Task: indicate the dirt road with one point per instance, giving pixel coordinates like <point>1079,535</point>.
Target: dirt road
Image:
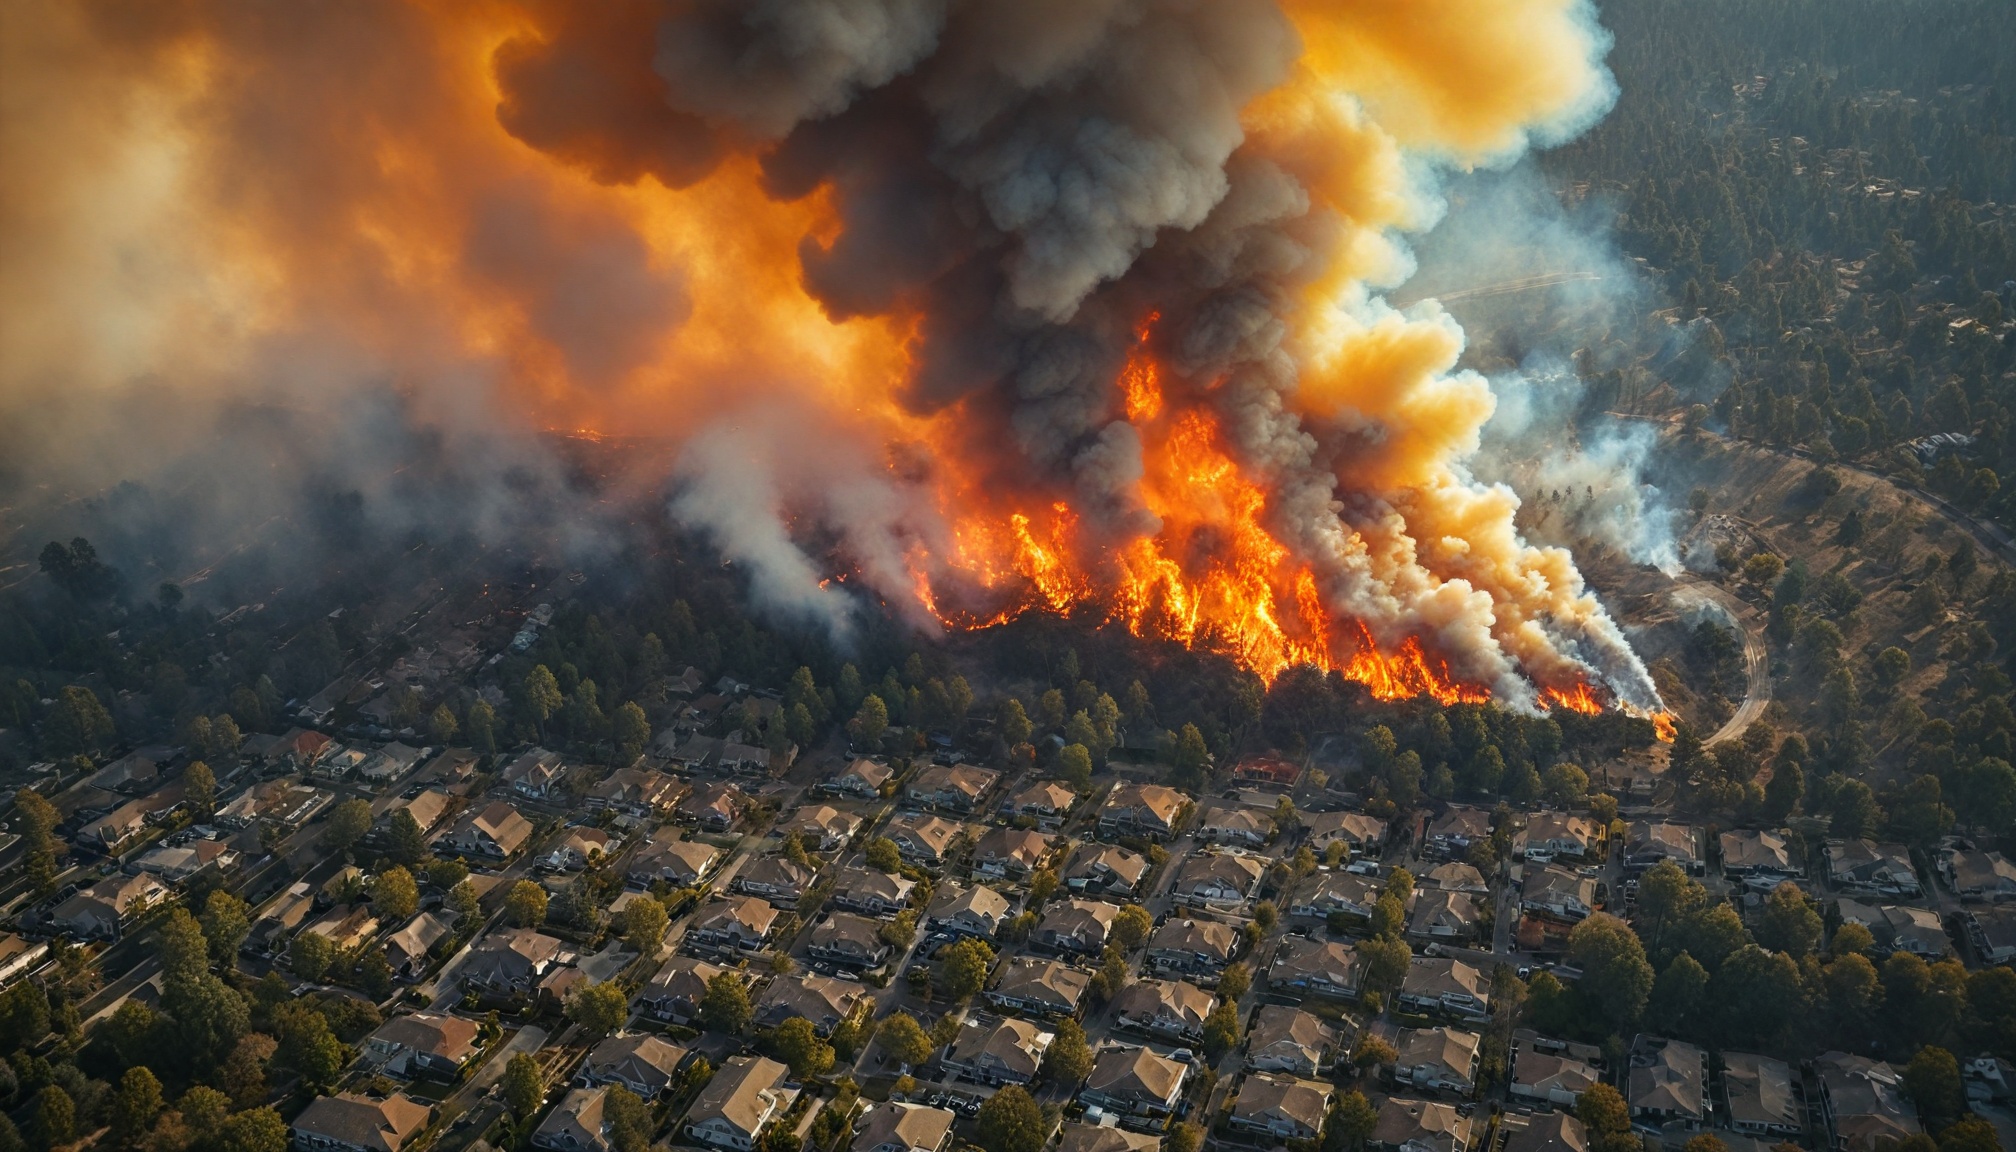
<point>1756,658</point>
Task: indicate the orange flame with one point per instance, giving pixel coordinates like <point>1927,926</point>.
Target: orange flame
<point>1662,727</point>
<point>1579,698</point>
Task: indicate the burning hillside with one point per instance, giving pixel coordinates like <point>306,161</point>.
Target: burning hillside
<point>976,308</point>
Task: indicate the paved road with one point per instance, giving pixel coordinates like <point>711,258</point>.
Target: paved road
<point>1756,659</point>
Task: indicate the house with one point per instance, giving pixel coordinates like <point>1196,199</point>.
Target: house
<point>1450,916</point>
<point>742,1097</point>
<point>748,759</point>
<point>1136,1083</point>
<point>1978,876</point>
<point>693,753</point>
<point>893,1126</point>
<point>298,749</point>
<point>1550,1078</point>
<point>1668,1083</point>
<point>1440,1059</point>
<point>955,787</point>
<point>1761,1101</point>
<point>494,832</point>
<point>1451,835</point>
<point>1420,1126</point>
<point>346,927</point>
<point>1864,866</point>
<point>1337,892</point>
<point>1443,985</point>
<point>920,839</point>
<point>737,925</point>
<point>646,1065</point>
<point>680,863</point>
<point>1549,835</point>
<point>636,791</point>
<point>389,762</point>
<point>576,1124</point>
<point>102,910</point>
<point>348,1123</point>
<point>1246,827</point>
<point>1042,801</point>
<point>1323,968</point>
<point>714,807</point>
<point>1863,1103</point>
<point>1993,934</point>
<point>426,807</point>
<point>848,940</point>
<point>134,773</point>
<point>1075,927</point>
<point>513,960</point>
<point>1554,1132</point>
<point>1198,949</point>
<point>977,911</point>
<point>178,863</point>
<point>862,779</point>
<point>673,996</point>
<point>1355,830</point>
<point>124,824</point>
<point>822,827</point>
<point>581,847</point>
<point>1285,1039</point>
<point>872,893</point>
<point>1281,1106</point>
<point>1104,870</point>
<point>996,1051</point>
<point>18,957</point>
<point>1648,842</point>
<point>1557,892</point>
<point>276,926</point>
<point>1456,876</point>
<point>1766,856</point>
<point>1005,853</point>
<point>288,803</point>
<point>1091,1138</point>
<point>1268,771</point>
<point>1218,881</point>
<point>775,878</point>
<point>407,949</point>
<point>1172,1010</point>
<point>1899,928</point>
<point>431,1044</point>
<point>1151,811</point>
<point>1039,987</point>
<point>826,1002</point>
<point>535,774</point>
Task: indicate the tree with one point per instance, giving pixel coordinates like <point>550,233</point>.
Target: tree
<point>1010,1121</point>
<point>1566,784</point>
<point>598,1009</point>
<point>1608,1119</point>
<point>1852,939</point>
<point>442,726</point>
<point>407,844</point>
<point>480,724</point>
<point>463,901</point>
<point>525,906</point>
<point>1615,975</point>
<point>1787,923</point>
<point>243,1077</point>
<point>1666,895</point>
<point>1191,756</point>
<point>1074,761</point>
<point>1068,1060</point>
<point>1676,995</point>
<point>254,1130</point>
<point>797,1044</point>
<point>1131,926</point>
<point>524,1089</point>
<point>1013,723</point>
<point>1183,1136</point>
<point>79,723</point>
<point>1757,994</point>
<point>1386,960</point>
<point>902,1037</point>
<point>870,722</point>
<point>1266,915</point>
<point>1234,982</point>
<point>725,1006</point>
<point>1783,790</point>
<point>309,1047</point>
<point>347,824</point>
<point>1705,1142</point>
<point>1353,1120</point>
<point>644,924</point>
<point>226,922</point>
<point>542,696</point>
<point>962,968</point>
<point>631,731</point>
<point>1932,1080</point>
<point>38,825</point>
<point>55,1118</point>
<point>629,1119</point>
<point>200,789</point>
<point>137,1104</point>
<point>883,856</point>
<point>394,895</point>
<point>1970,1133</point>
<point>1221,1030</point>
<point>310,955</point>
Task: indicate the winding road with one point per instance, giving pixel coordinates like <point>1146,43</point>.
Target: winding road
<point>1756,659</point>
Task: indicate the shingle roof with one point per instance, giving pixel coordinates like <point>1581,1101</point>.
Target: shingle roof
<point>380,1125</point>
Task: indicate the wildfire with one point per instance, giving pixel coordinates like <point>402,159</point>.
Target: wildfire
<point>1662,726</point>
<point>1579,698</point>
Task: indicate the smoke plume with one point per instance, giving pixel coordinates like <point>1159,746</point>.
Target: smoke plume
<point>971,307</point>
